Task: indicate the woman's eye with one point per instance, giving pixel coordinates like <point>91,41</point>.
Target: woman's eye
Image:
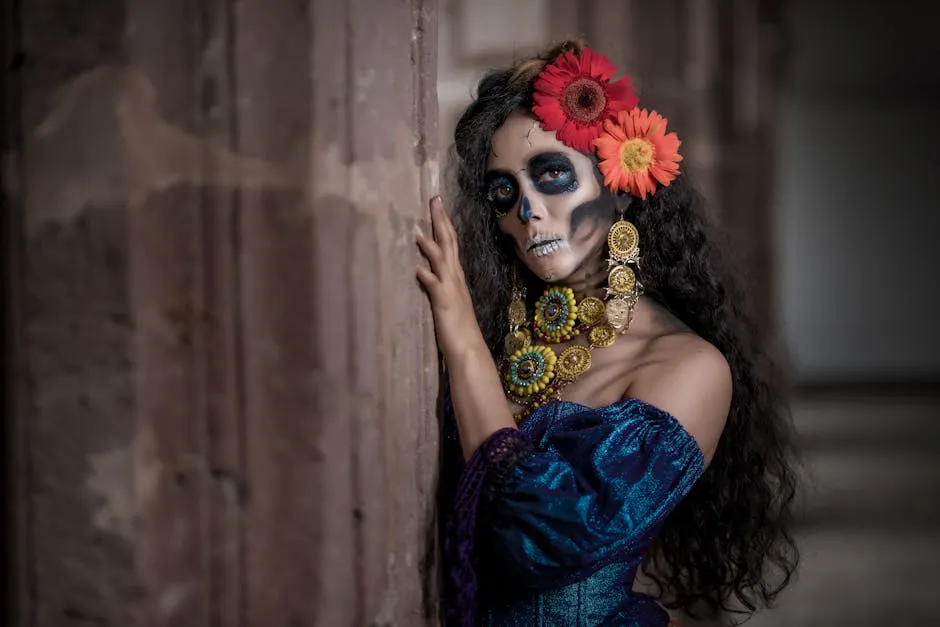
<point>503,192</point>
<point>556,179</point>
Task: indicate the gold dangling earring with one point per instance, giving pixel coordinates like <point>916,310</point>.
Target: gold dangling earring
<point>623,288</point>
<point>518,336</point>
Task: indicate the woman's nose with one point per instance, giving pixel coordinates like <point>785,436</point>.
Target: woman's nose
<point>530,208</point>
<point>525,210</point>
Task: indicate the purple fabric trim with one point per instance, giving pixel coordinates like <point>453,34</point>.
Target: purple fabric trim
<point>490,463</point>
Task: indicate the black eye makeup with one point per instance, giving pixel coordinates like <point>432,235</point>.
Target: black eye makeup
<point>553,173</point>
<point>502,191</point>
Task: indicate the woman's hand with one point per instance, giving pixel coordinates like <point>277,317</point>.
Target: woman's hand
<point>454,320</point>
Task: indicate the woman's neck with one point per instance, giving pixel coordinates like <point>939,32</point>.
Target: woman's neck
<point>589,279</point>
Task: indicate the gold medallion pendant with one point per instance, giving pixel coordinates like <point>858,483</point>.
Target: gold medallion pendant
<point>602,336</point>
<point>623,240</point>
<point>621,280</point>
<point>516,341</point>
<point>516,313</point>
<point>591,310</point>
<point>573,362</point>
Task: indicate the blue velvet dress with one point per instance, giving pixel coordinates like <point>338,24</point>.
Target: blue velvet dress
<point>550,522</point>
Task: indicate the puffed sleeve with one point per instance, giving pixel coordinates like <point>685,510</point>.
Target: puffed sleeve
<point>592,484</point>
<point>557,499</point>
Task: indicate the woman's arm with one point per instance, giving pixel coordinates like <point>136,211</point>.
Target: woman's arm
<point>479,403</point>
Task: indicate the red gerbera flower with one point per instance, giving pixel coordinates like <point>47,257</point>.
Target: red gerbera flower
<point>574,96</point>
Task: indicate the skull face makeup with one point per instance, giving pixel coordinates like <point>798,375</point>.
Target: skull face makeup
<point>549,199</point>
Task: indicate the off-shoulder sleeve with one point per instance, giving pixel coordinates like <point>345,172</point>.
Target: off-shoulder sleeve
<point>593,485</point>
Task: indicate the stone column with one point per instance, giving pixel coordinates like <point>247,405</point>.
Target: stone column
<point>225,408</point>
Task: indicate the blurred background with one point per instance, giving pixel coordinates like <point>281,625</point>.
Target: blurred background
<point>220,405</point>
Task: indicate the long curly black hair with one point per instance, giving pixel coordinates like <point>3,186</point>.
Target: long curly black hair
<point>728,545</point>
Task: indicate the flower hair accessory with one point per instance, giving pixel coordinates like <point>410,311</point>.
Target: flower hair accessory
<point>636,152</point>
<point>574,97</point>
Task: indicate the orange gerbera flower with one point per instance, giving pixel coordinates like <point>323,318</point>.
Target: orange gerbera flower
<point>636,152</point>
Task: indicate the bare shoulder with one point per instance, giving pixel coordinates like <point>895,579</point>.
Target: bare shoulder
<point>689,378</point>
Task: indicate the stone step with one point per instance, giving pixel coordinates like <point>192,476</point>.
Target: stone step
<point>870,488</point>
<point>841,420</point>
<point>870,514</point>
<point>869,461</point>
<point>868,530</point>
<point>851,578</point>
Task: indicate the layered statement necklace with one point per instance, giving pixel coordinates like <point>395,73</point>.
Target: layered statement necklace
<point>533,373</point>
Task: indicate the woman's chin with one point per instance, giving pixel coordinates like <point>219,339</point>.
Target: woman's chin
<point>553,268</point>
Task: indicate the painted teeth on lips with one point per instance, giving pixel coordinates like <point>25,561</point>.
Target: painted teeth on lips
<point>542,246</point>
<point>536,240</point>
<point>546,249</point>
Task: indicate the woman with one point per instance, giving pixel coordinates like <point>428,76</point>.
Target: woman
<point>608,395</point>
